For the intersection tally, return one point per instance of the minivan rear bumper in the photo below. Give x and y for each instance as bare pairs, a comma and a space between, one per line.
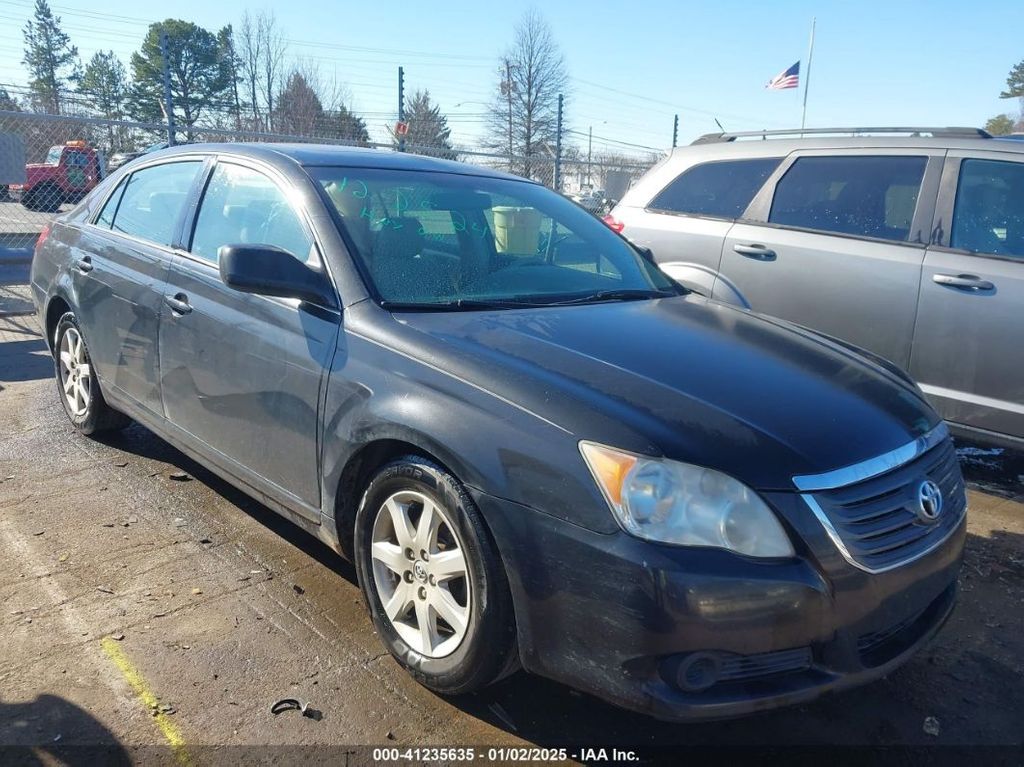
646, 626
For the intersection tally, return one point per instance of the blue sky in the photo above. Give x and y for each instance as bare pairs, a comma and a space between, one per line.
633, 64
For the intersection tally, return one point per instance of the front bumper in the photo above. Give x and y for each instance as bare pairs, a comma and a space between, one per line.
617, 617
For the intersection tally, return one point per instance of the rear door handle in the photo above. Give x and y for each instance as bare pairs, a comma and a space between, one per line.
758, 252
178, 303
84, 264
962, 281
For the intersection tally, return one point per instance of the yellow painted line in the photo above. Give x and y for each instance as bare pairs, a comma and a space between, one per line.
135, 680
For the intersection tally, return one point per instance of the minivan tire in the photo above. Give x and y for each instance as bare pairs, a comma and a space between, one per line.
487, 651
97, 416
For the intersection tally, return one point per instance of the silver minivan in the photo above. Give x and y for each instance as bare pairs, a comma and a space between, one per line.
907, 242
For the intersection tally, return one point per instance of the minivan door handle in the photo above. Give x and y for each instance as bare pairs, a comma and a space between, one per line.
758, 252
178, 303
962, 281
84, 264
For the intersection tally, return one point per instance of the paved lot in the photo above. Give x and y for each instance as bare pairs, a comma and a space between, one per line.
15, 218
135, 579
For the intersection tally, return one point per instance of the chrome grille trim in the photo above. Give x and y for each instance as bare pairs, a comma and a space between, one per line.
869, 519
872, 467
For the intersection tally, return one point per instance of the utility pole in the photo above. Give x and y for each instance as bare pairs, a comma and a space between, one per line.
558, 148
168, 103
590, 151
401, 106
675, 132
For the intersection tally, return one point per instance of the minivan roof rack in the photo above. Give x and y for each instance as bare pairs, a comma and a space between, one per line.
714, 138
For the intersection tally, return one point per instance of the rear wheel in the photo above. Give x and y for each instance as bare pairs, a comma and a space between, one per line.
45, 198
435, 586
77, 385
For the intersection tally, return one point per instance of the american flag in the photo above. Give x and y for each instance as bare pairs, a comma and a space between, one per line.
788, 79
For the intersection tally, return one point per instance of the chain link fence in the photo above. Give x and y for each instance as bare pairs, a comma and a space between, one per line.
53, 161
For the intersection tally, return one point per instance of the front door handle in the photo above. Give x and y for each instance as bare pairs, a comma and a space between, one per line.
84, 264
758, 252
962, 282
179, 303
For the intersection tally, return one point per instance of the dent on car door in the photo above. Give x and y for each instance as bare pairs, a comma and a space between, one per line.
120, 270
836, 244
969, 335
242, 374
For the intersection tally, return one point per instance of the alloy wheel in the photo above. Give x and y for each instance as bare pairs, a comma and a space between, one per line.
75, 373
421, 574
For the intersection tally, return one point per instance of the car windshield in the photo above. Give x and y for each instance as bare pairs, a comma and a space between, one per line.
431, 240
53, 156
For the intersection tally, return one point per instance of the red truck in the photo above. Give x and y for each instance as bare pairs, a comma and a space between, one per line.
69, 172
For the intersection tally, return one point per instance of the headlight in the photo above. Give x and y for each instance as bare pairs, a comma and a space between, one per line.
672, 502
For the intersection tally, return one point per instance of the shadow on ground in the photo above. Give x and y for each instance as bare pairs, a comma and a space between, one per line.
52, 730
23, 354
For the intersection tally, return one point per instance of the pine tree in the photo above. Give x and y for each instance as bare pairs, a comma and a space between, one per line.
298, 110
1014, 83
199, 80
428, 128
104, 83
348, 126
51, 59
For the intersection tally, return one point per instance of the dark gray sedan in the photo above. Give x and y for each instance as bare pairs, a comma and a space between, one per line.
538, 449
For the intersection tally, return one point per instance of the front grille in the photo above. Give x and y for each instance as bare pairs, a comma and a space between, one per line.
876, 520
739, 667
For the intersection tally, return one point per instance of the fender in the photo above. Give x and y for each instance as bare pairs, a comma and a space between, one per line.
706, 281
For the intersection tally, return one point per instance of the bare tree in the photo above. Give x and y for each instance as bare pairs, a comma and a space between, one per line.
260, 54
250, 53
272, 60
524, 114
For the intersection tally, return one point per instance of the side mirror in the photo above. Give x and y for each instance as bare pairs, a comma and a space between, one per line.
271, 271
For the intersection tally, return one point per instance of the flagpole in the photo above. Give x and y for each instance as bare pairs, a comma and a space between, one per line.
807, 75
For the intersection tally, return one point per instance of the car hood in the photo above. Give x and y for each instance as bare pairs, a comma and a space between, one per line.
692, 379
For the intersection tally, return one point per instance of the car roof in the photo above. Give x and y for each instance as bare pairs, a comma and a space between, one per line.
774, 147
324, 155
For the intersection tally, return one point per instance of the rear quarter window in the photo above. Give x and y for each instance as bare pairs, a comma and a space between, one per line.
721, 189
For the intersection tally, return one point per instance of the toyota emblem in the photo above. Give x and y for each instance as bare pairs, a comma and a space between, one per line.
929, 501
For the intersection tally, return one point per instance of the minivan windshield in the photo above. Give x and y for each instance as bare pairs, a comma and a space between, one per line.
429, 240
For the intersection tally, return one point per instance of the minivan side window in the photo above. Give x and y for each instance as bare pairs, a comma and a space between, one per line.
863, 196
153, 199
717, 189
243, 206
988, 215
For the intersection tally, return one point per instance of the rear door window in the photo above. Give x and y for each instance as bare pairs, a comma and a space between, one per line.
988, 216
873, 196
106, 216
153, 200
243, 206
716, 189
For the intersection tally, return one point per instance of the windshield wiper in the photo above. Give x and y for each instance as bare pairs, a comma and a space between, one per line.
617, 295
465, 304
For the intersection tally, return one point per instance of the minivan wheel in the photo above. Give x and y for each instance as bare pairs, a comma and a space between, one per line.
433, 581
77, 385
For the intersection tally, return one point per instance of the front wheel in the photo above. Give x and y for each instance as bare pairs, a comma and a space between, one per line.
433, 581
77, 385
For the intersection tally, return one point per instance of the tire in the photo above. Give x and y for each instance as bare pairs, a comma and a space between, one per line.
439, 659
77, 384
45, 198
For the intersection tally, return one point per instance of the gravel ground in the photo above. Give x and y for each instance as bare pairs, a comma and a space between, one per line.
144, 600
